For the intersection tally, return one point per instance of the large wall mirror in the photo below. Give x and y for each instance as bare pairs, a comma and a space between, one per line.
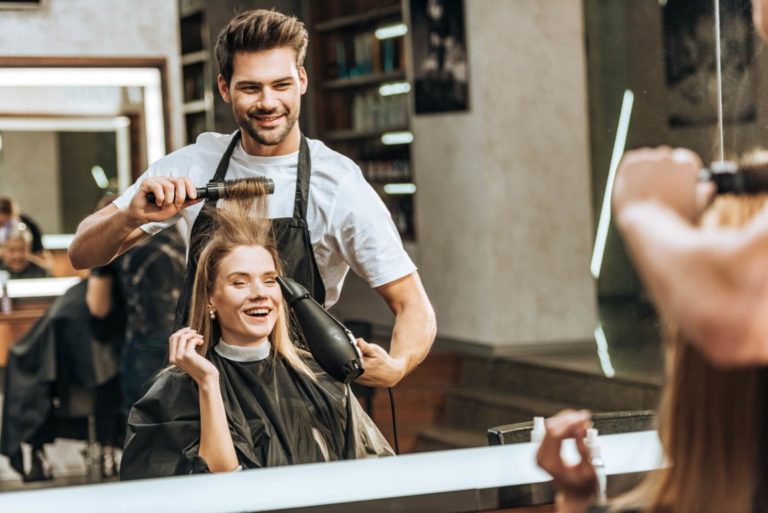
70, 133
671, 72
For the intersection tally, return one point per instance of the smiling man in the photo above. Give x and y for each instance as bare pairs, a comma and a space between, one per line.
326, 217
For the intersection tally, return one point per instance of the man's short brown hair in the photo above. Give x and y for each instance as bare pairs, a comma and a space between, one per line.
257, 30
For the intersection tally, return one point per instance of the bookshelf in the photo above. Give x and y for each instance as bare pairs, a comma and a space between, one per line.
196, 73
361, 101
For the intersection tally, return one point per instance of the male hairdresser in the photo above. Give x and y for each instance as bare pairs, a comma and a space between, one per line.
713, 284
326, 217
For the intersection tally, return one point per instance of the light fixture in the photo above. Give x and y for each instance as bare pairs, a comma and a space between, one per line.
400, 188
392, 138
391, 31
605, 213
394, 88
100, 177
602, 352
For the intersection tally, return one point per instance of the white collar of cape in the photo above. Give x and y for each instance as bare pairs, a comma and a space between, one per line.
243, 353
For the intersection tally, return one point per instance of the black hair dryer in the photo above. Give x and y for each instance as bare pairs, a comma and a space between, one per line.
330, 342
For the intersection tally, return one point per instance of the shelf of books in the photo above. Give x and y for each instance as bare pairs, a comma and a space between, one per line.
362, 105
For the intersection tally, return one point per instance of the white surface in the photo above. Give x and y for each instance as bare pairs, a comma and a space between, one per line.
40, 287
329, 483
60, 241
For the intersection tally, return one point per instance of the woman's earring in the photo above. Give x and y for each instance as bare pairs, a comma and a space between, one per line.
213, 315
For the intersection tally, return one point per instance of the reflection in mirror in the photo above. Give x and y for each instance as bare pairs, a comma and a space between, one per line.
51, 105
57, 169
663, 52
744, 67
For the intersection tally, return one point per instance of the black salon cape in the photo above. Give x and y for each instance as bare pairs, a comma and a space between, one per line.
277, 416
64, 349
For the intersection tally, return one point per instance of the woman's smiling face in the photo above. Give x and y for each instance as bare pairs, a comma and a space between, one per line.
246, 296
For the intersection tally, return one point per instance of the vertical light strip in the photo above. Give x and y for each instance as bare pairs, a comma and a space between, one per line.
718, 57
153, 112
123, 139
605, 213
602, 352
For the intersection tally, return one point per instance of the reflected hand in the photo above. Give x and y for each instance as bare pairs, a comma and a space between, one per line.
171, 196
576, 485
381, 370
661, 175
182, 352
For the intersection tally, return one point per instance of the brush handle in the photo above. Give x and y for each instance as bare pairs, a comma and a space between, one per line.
202, 192
731, 179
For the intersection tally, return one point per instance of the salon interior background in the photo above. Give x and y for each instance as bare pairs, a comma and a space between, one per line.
509, 191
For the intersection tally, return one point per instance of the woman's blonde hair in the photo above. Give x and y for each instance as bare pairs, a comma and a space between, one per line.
236, 223
710, 419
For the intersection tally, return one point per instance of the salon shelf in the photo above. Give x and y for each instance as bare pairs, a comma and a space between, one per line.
194, 58
363, 80
195, 107
348, 65
355, 20
354, 135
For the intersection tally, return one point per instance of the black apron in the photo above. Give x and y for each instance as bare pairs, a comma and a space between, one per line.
291, 235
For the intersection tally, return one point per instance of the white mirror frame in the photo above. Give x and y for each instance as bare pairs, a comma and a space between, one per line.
149, 79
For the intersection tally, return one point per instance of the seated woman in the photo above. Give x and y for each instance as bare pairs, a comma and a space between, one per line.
239, 393
16, 254
711, 423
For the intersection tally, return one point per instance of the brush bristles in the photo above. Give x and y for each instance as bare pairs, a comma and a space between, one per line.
248, 188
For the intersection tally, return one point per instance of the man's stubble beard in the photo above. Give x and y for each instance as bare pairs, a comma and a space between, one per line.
271, 139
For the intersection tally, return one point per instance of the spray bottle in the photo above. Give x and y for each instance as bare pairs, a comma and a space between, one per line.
538, 431
595, 453
539, 494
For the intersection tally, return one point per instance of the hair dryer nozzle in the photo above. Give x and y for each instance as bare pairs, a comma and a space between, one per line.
330, 342
292, 291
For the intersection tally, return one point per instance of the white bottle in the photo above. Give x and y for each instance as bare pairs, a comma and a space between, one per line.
5, 299
538, 431
595, 453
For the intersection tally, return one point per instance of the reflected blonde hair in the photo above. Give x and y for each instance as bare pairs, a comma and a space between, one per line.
236, 223
710, 419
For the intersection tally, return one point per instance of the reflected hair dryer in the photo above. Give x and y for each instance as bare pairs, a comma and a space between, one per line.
732, 178
330, 342
234, 189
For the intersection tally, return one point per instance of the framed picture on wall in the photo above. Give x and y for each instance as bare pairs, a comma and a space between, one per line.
691, 62
441, 73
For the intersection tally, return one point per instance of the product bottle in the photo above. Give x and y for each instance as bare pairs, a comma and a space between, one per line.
537, 433
5, 299
593, 444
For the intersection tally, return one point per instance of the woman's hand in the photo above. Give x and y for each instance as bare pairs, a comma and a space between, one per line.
182, 352
576, 484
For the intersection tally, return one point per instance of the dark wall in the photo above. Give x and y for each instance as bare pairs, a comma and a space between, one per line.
78, 153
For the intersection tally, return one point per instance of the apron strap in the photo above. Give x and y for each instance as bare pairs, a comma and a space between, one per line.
221, 169
302, 181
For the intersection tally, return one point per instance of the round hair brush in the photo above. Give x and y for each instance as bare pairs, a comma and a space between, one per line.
242, 188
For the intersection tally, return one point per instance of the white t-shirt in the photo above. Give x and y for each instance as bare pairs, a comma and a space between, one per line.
348, 223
